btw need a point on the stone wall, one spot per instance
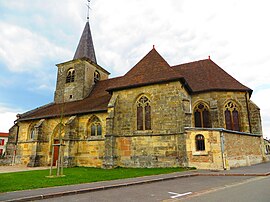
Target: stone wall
(255, 118)
(164, 144)
(243, 149)
(84, 80)
(224, 149)
(151, 151)
(80, 148)
(216, 102)
(211, 158)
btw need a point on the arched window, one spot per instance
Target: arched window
(96, 76)
(202, 116)
(95, 127)
(70, 76)
(143, 113)
(31, 133)
(232, 116)
(200, 145)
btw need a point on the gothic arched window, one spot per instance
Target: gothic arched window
(202, 116)
(143, 113)
(232, 116)
(95, 127)
(96, 76)
(70, 76)
(200, 144)
(31, 133)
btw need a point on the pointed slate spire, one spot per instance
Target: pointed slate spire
(86, 46)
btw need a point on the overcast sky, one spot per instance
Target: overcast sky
(36, 35)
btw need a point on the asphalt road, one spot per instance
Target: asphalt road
(222, 188)
(256, 189)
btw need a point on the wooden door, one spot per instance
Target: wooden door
(56, 152)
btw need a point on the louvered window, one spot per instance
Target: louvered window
(70, 76)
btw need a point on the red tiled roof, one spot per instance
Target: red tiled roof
(97, 101)
(205, 75)
(200, 76)
(4, 134)
(149, 70)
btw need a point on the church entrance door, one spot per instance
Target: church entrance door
(55, 152)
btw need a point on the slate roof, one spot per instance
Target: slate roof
(199, 76)
(85, 48)
(205, 75)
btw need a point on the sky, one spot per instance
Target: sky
(37, 35)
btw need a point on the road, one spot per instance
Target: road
(256, 189)
(223, 188)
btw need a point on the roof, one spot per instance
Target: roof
(4, 134)
(149, 70)
(97, 101)
(205, 75)
(85, 47)
(199, 76)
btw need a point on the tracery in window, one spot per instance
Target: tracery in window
(143, 113)
(95, 128)
(200, 144)
(232, 116)
(202, 116)
(70, 76)
(96, 76)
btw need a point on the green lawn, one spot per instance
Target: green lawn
(37, 179)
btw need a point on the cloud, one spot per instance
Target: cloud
(7, 117)
(24, 51)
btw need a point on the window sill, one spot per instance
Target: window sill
(143, 132)
(200, 153)
(92, 138)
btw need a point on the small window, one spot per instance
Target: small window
(200, 145)
(1, 152)
(95, 127)
(232, 116)
(143, 114)
(32, 133)
(96, 76)
(70, 76)
(70, 96)
(202, 116)
(2, 141)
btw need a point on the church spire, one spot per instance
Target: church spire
(86, 46)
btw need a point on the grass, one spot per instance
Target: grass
(37, 179)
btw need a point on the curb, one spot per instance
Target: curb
(233, 174)
(85, 190)
(105, 187)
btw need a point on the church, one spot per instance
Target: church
(156, 115)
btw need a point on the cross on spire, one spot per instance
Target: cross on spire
(88, 8)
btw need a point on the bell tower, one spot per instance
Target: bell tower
(76, 78)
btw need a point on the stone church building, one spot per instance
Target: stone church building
(156, 115)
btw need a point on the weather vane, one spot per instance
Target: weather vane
(88, 8)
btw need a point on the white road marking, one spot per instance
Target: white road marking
(176, 195)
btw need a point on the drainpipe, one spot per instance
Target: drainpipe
(248, 113)
(222, 150)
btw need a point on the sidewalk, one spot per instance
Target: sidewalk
(262, 169)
